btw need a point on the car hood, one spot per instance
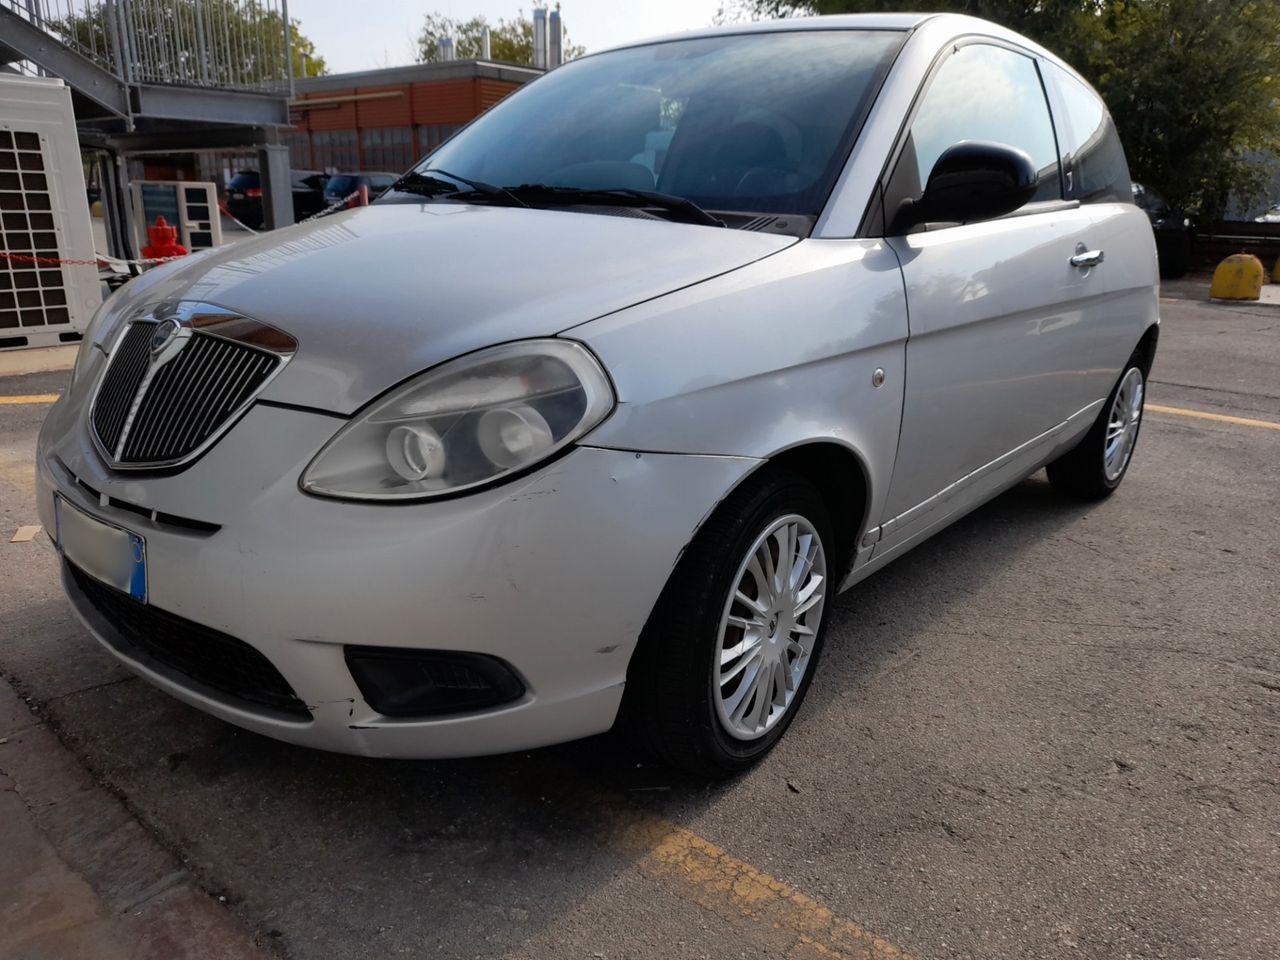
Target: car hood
(378, 294)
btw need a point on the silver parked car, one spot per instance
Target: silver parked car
(590, 417)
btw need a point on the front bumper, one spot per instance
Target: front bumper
(554, 573)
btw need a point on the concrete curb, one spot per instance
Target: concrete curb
(1273, 304)
(38, 359)
(81, 876)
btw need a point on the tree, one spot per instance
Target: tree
(1192, 85)
(214, 42)
(511, 41)
(312, 66)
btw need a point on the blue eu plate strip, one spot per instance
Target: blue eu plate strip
(138, 581)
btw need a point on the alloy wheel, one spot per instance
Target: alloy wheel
(1123, 424)
(769, 627)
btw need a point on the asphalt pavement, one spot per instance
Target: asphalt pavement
(1050, 731)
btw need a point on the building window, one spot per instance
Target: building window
(299, 144)
(387, 148)
(430, 137)
(335, 150)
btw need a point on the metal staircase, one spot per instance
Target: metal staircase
(163, 76)
(141, 64)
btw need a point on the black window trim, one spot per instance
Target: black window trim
(1058, 106)
(874, 225)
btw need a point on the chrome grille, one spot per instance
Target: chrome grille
(191, 396)
(120, 385)
(161, 404)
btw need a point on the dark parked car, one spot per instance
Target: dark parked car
(344, 184)
(1174, 235)
(244, 195)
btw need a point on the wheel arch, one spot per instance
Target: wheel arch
(1147, 347)
(842, 479)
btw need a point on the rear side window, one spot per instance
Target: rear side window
(341, 183)
(1096, 168)
(981, 92)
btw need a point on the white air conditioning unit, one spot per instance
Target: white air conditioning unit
(44, 214)
(191, 206)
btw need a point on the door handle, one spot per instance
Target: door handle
(1088, 258)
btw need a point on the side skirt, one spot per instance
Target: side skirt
(896, 536)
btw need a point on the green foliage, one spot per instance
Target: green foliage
(218, 42)
(1192, 84)
(511, 41)
(315, 65)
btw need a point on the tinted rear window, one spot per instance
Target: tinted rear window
(245, 180)
(1097, 171)
(342, 184)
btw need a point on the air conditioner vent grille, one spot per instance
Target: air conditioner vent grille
(31, 294)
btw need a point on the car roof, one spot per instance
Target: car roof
(853, 21)
(951, 24)
(846, 21)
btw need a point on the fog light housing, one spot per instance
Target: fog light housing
(399, 682)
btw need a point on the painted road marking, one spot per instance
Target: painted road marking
(1217, 417)
(31, 398)
(698, 871)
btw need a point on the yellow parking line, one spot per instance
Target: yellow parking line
(1218, 417)
(700, 872)
(31, 398)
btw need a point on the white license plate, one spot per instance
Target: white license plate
(106, 552)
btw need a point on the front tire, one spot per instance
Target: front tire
(1093, 469)
(730, 648)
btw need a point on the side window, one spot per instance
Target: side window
(1096, 169)
(981, 92)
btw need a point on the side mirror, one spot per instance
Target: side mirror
(973, 180)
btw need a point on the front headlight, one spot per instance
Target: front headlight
(466, 423)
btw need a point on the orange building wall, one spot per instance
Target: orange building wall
(446, 102)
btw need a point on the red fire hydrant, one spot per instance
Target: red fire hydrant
(162, 241)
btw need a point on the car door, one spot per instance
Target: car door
(995, 357)
(1122, 290)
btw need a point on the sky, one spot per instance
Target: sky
(379, 33)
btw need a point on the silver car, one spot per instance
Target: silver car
(589, 418)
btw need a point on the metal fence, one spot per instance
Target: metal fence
(241, 44)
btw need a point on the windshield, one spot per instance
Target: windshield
(341, 183)
(748, 123)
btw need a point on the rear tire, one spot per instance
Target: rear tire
(684, 704)
(1094, 468)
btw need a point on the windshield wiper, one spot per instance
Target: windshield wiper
(424, 185)
(542, 194)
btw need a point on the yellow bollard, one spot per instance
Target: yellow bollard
(1239, 277)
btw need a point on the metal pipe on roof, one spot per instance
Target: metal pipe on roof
(540, 37)
(555, 45)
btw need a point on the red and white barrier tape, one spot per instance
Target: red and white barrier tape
(99, 261)
(104, 261)
(336, 205)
